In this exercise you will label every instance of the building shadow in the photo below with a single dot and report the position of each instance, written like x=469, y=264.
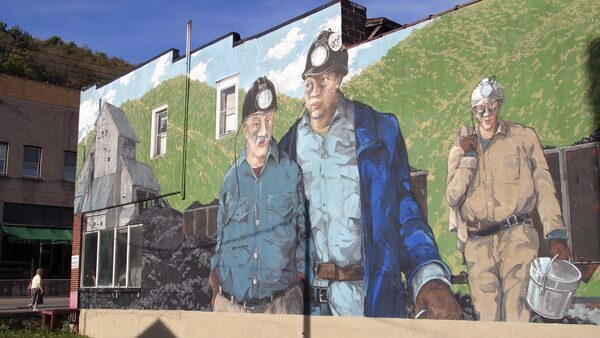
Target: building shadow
x=158, y=330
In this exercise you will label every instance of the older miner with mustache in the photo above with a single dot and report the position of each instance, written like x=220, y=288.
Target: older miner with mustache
x=259, y=257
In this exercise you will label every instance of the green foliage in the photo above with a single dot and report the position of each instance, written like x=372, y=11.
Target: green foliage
x=30, y=327
x=55, y=61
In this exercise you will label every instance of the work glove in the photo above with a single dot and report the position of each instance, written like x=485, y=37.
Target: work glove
x=561, y=247
x=437, y=299
x=469, y=142
x=213, y=284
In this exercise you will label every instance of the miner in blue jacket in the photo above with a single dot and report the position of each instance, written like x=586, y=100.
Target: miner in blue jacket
x=366, y=225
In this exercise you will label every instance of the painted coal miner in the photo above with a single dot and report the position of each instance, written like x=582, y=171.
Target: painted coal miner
x=497, y=176
x=366, y=225
x=259, y=257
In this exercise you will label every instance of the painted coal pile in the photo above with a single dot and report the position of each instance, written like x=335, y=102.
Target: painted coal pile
x=174, y=271
x=466, y=304
x=196, y=204
x=535, y=318
x=594, y=137
x=579, y=314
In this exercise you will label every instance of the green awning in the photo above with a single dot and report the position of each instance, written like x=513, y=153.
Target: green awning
x=47, y=235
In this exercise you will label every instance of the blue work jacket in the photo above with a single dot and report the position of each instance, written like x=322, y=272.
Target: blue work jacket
x=395, y=237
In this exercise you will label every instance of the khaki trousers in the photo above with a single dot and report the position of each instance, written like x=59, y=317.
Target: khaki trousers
x=290, y=302
x=498, y=267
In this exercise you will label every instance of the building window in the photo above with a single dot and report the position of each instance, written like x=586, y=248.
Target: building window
x=227, y=106
x=3, y=157
x=158, y=144
x=69, y=164
x=31, y=161
x=113, y=257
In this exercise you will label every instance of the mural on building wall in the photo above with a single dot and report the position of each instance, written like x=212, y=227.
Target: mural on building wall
x=312, y=210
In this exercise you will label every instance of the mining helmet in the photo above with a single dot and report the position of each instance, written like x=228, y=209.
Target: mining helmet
x=260, y=98
x=487, y=90
x=326, y=53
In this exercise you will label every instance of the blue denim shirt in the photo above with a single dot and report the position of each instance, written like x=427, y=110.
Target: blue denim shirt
x=260, y=227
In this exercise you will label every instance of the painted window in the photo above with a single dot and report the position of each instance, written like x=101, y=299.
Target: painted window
x=160, y=118
x=227, y=107
x=69, y=164
x=3, y=157
x=31, y=161
x=113, y=257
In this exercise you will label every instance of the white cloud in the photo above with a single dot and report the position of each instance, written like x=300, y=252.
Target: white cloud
x=159, y=69
x=285, y=46
x=88, y=112
x=126, y=78
x=288, y=79
x=305, y=20
x=199, y=72
x=352, y=52
x=110, y=96
x=335, y=23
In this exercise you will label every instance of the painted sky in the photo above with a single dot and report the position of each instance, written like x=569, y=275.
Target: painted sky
x=138, y=30
x=281, y=55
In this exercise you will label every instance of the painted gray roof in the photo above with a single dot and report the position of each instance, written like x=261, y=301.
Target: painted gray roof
x=121, y=121
x=100, y=192
x=141, y=174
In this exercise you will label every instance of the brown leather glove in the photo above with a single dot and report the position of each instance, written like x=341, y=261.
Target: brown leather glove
x=560, y=247
x=213, y=284
x=437, y=299
x=469, y=142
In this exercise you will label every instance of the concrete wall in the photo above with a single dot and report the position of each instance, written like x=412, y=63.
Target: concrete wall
x=165, y=324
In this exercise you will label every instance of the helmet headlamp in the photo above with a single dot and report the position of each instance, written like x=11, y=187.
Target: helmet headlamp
x=319, y=56
x=264, y=97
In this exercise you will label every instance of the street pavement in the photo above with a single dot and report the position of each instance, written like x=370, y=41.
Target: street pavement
x=19, y=304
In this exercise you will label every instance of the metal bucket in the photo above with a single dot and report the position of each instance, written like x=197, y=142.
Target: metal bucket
x=552, y=284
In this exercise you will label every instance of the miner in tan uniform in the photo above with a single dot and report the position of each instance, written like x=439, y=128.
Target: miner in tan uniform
x=497, y=177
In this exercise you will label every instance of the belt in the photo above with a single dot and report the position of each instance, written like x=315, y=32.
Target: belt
x=509, y=222
x=252, y=303
x=333, y=272
x=318, y=294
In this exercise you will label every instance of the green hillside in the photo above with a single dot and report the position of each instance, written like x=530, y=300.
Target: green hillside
x=538, y=50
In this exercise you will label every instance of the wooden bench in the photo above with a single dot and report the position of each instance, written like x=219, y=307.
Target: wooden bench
x=73, y=313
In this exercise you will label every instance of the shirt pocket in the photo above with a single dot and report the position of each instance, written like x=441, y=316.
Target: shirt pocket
x=509, y=170
x=238, y=254
x=280, y=210
x=240, y=211
x=350, y=196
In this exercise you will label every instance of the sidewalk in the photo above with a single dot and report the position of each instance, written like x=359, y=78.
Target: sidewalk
x=18, y=305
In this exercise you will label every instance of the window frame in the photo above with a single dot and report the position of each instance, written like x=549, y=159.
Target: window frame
x=65, y=166
x=224, y=84
x=4, y=169
x=157, y=111
x=39, y=163
x=113, y=271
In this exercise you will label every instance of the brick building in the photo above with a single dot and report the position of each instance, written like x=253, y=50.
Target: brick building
x=38, y=144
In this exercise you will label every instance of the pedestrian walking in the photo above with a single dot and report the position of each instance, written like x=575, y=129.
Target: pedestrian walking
x=37, y=290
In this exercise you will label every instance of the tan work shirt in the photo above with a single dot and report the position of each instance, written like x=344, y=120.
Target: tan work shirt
x=510, y=177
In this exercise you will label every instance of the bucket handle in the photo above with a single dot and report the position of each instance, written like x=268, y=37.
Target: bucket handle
x=543, y=289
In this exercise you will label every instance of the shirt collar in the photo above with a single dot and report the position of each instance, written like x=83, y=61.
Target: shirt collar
x=501, y=128
x=273, y=152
